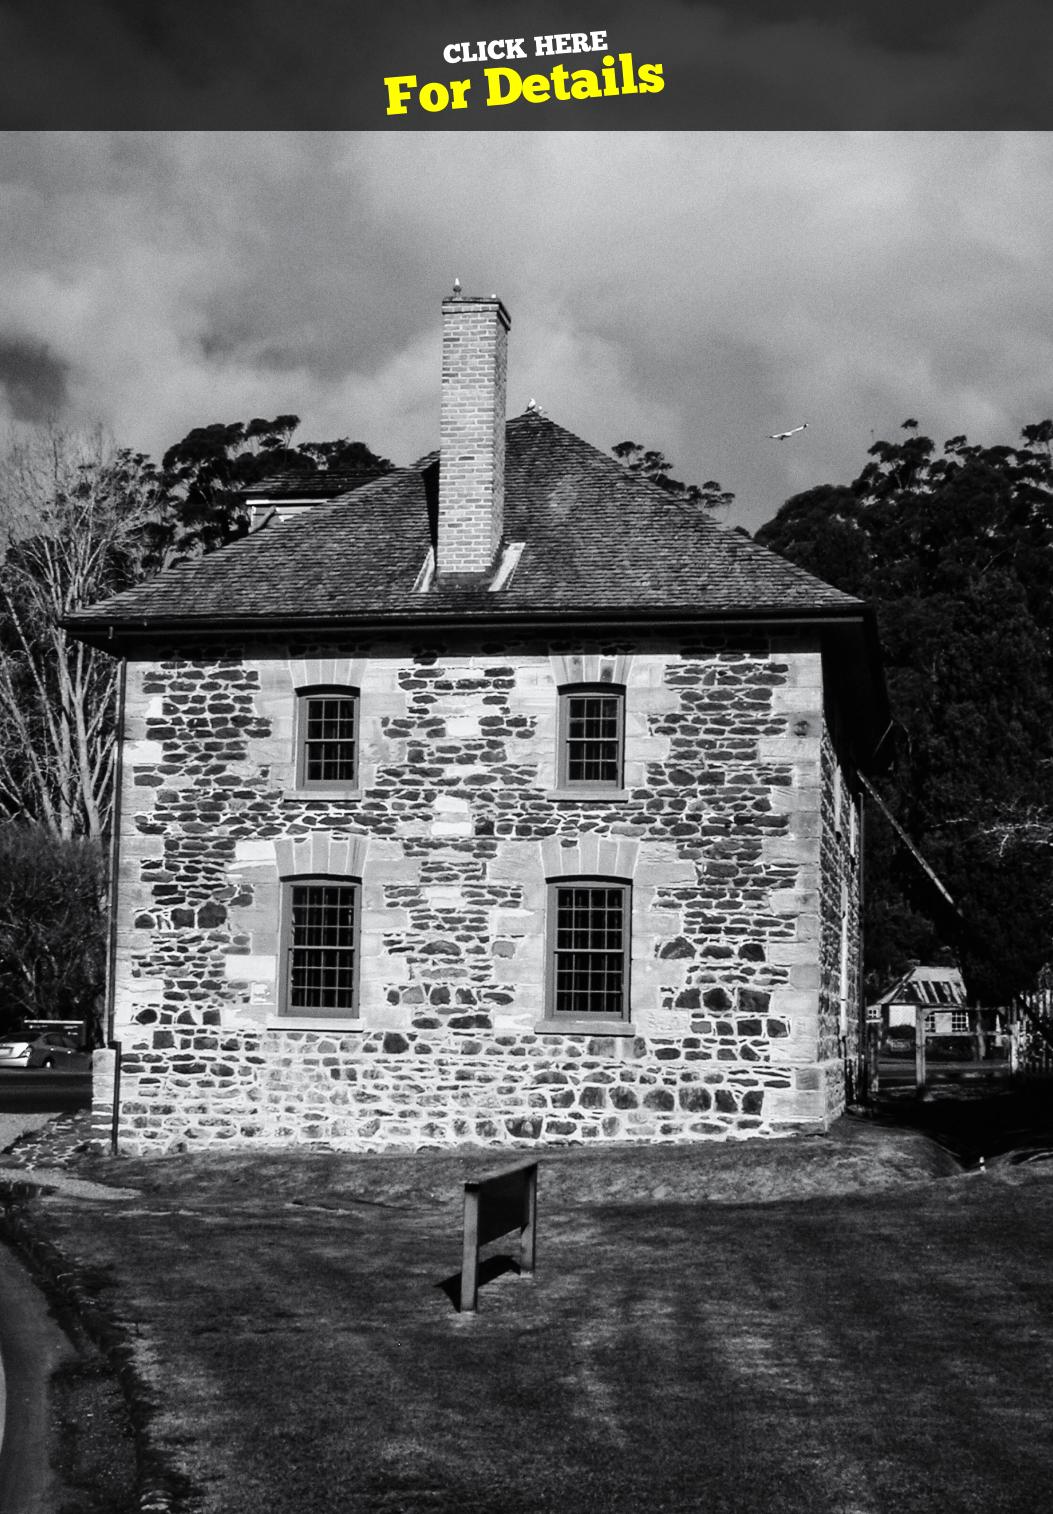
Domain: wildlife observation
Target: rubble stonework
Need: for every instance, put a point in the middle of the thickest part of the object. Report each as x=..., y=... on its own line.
x=727, y=830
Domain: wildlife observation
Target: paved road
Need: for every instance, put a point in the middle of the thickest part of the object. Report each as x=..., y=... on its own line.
x=37, y=1091
x=29, y=1099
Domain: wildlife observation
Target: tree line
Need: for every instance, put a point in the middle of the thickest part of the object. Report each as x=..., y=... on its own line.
x=954, y=548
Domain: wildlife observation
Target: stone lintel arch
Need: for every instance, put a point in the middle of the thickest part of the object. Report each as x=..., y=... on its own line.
x=591, y=667
x=321, y=854
x=327, y=672
x=589, y=855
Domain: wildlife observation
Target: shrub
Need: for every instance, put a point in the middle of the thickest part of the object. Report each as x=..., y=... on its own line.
x=52, y=926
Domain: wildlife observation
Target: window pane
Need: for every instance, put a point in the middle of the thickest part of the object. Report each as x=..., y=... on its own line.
x=329, y=739
x=322, y=949
x=593, y=738
x=590, y=950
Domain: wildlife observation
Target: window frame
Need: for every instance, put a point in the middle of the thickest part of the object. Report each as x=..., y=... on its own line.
x=578, y=1017
x=564, y=781
x=287, y=960
x=304, y=696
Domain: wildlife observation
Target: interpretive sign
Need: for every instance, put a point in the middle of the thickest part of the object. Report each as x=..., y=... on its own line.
x=493, y=1207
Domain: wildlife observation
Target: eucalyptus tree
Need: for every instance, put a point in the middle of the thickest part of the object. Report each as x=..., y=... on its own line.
x=954, y=547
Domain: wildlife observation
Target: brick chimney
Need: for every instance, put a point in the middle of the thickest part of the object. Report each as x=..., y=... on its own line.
x=472, y=432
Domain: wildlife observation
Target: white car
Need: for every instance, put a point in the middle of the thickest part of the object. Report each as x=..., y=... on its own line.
x=50, y=1049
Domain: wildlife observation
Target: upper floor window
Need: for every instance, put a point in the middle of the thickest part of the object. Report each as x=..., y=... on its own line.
x=320, y=946
x=327, y=739
x=591, y=739
x=589, y=949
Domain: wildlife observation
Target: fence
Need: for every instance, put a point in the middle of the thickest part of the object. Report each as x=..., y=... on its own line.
x=940, y=1043
x=1032, y=1028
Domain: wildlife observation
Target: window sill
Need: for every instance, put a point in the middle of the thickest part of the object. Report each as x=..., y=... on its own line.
x=323, y=794
x=588, y=794
x=341, y=1023
x=582, y=1027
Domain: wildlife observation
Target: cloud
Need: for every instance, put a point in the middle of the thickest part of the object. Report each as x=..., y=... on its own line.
x=33, y=380
x=690, y=291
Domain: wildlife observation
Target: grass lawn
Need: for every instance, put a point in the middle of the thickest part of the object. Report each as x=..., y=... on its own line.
x=878, y=1352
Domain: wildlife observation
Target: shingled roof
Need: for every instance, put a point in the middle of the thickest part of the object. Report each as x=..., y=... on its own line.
x=598, y=544
x=318, y=483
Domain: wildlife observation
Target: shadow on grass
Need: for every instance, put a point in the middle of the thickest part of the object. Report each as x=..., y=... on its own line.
x=490, y=1268
x=974, y=1118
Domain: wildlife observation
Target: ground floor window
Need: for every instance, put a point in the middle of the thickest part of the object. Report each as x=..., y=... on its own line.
x=589, y=952
x=320, y=938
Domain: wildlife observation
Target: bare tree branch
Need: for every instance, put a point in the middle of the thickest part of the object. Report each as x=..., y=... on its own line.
x=93, y=507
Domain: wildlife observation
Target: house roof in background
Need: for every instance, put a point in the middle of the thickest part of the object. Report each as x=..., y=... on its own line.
x=931, y=987
x=322, y=483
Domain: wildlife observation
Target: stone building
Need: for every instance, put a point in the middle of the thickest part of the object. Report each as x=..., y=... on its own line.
x=505, y=798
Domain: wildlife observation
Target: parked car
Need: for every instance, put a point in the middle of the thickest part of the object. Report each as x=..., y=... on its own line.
x=49, y=1049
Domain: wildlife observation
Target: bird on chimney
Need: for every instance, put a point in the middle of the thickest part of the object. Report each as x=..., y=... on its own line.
x=780, y=436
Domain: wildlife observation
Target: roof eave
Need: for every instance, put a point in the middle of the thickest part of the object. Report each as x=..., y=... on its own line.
x=114, y=633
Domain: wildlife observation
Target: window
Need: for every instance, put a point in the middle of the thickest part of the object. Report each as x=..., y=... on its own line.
x=320, y=947
x=592, y=722
x=327, y=739
x=589, y=954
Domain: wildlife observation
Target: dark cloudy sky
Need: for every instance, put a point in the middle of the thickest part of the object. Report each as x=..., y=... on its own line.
x=729, y=63
x=692, y=291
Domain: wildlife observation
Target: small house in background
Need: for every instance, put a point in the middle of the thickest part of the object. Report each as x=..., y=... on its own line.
x=951, y=1025
x=501, y=799
x=940, y=991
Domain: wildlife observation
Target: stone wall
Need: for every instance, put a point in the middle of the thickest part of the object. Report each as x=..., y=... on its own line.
x=455, y=829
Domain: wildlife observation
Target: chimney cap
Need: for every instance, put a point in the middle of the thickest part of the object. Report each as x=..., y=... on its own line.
x=458, y=300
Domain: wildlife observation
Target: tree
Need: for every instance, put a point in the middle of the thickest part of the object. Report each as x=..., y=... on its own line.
x=205, y=473
x=96, y=508
x=955, y=550
x=103, y=519
x=654, y=467
x=52, y=925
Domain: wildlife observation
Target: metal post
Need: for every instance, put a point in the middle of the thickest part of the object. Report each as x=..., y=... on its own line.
x=873, y=1048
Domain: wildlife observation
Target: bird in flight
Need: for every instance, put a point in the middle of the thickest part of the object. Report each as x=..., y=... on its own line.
x=780, y=436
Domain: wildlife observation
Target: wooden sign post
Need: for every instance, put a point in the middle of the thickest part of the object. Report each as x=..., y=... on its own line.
x=493, y=1207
